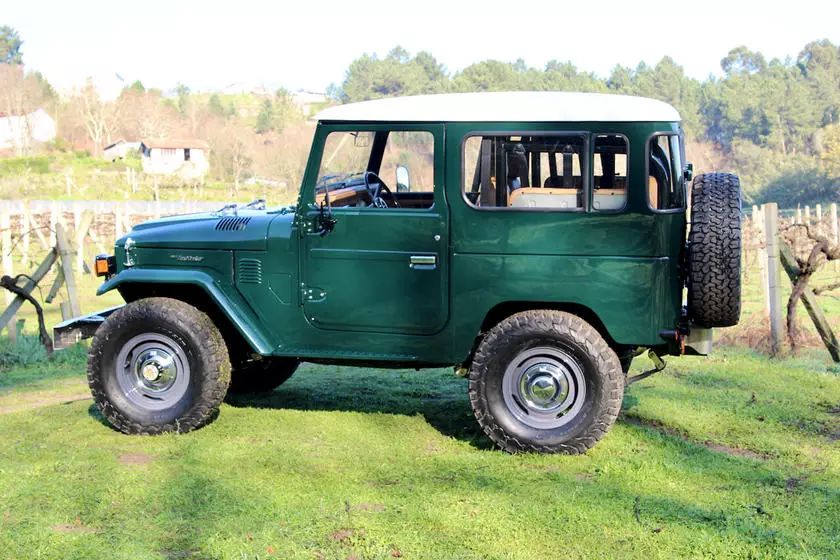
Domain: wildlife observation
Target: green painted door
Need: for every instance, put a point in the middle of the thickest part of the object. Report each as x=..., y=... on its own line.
x=381, y=269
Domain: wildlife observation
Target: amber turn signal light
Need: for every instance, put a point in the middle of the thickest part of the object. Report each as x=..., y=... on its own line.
x=103, y=265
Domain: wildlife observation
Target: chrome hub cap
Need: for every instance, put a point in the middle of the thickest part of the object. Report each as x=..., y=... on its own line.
x=544, y=387
x=152, y=371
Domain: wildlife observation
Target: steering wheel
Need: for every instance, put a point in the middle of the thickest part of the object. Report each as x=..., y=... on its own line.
x=376, y=199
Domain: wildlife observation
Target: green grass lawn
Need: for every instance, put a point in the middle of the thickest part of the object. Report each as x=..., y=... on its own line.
x=733, y=456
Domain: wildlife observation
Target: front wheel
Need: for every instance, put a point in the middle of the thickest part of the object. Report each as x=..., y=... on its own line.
x=545, y=381
x=158, y=365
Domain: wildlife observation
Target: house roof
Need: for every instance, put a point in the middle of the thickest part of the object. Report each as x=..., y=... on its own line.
x=508, y=106
x=176, y=143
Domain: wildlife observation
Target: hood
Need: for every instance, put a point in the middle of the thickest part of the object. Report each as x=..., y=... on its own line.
x=244, y=229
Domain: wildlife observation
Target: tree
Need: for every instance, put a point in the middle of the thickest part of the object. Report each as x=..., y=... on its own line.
x=831, y=150
x=99, y=117
x=10, y=44
x=214, y=104
x=183, y=93
x=265, y=119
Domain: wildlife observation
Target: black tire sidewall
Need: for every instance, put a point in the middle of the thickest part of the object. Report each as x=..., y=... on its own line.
x=508, y=422
x=114, y=392
x=601, y=372
x=202, y=346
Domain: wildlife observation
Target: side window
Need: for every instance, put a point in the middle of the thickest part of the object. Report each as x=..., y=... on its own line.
x=377, y=169
x=523, y=172
x=610, y=173
x=415, y=152
x=665, y=184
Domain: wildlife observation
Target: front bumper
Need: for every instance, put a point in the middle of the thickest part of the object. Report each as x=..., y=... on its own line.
x=69, y=332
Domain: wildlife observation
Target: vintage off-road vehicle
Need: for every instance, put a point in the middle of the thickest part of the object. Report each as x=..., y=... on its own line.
x=536, y=241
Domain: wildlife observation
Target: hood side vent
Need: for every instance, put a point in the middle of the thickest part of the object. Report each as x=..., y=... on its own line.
x=233, y=223
x=250, y=271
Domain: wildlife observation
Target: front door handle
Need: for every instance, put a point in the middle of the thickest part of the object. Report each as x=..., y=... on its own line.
x=423, y=262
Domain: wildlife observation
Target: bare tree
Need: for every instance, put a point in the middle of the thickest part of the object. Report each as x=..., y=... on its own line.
x=99, y=117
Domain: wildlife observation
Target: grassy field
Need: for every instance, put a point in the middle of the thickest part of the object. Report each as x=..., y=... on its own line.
x=734, y=456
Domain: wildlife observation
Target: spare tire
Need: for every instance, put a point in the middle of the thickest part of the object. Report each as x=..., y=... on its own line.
x=714, y=251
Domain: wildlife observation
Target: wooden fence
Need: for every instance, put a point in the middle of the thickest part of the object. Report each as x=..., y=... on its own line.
x=766, y=232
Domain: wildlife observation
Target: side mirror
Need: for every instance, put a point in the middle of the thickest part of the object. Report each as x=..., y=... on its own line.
x=403, y=179
x=689, y=172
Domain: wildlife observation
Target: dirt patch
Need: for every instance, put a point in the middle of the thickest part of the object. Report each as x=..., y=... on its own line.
x=76, y=527
x=342, y=535
x=710, y=445
x=135, y=458
x=29, y=401
x=370, y=507
x=734, y=451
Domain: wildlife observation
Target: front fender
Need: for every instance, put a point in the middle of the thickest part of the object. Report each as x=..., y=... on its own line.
x=228, y=300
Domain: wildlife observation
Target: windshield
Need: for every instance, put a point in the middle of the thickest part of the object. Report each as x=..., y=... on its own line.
x=345, y=159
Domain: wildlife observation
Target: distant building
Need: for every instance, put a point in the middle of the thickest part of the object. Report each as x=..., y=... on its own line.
x=21, y=132
x=119, y=149
x=307, y=101
x=186, y=158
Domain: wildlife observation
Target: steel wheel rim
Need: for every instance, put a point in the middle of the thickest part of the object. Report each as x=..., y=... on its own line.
x=544, y=388
x=152, y=371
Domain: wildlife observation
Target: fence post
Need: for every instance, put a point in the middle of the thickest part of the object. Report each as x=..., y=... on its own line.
x=53, y=221
x=834, y=231
x=118, y=225
x=65, y=253
x=819, y=219
x=6, y=227
x=774, y=279
x=807, y=215
x=762, y=255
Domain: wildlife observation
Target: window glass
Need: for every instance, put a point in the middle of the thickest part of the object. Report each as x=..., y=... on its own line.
x=346, y=155
x=610, y=173
x=415, y=151
x=665, y=185
x=377, y=170
x=522, y=172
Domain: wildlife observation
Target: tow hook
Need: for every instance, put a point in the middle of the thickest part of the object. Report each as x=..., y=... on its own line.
x=658, y=365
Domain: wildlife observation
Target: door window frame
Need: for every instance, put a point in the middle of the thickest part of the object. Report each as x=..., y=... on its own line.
x=437, y=130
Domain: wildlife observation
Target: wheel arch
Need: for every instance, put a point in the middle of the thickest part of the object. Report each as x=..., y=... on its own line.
x=231, y=315
x=505, y=309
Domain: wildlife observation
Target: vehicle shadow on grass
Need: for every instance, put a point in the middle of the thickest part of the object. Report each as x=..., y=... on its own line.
x=437, y=394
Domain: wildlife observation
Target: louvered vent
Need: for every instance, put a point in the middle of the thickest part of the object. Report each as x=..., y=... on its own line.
x=233, y=223
x=250, y=271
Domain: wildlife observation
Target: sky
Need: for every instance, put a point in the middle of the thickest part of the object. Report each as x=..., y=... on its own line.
x=209, y=44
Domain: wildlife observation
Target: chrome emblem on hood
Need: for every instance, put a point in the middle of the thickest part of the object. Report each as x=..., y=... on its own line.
x=187, y=258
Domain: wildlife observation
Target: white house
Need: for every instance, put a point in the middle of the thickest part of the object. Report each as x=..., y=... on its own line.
x=186, y=158
x=119, y=149
x=307, y=101
x=21, y=132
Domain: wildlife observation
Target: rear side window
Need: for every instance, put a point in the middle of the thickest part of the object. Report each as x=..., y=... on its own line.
x=665, y=182
x=610, y=173
x=546, y=172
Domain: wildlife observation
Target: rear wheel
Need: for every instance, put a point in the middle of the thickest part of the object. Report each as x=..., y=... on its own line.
x=545, y=381
x=158, y=365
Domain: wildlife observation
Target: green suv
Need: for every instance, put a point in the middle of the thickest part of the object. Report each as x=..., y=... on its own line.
x=535, y=241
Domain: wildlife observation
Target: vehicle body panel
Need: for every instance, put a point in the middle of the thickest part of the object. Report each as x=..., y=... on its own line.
x=354, y=293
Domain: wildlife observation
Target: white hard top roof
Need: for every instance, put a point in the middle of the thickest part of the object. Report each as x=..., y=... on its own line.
x=506, y=106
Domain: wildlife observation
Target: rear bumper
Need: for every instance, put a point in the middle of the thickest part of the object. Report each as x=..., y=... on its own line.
x=69, y=332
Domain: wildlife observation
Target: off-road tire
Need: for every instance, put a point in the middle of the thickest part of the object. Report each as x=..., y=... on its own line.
x=506, y=343
x=714, y=251
x=200, y=345
x=260, y=374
